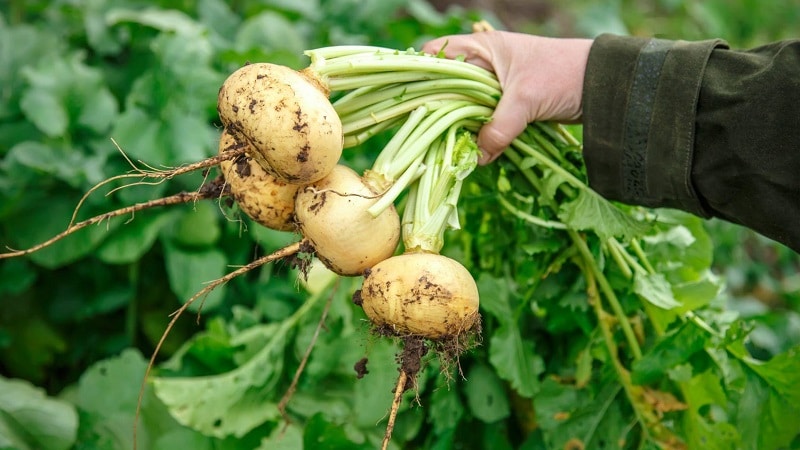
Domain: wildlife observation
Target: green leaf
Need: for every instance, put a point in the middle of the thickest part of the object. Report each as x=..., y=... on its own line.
x=189, y=271
x=655, y=288
x=515, y=360
x=29, y=419
x=494, y=295
x=99, y=110
x=107, y=395
x=46, y=111
x=270, y=31
x=321, y=434
x=769, y=397
x=373, y=393
x=570, y=417
x=288, y=437
x=198, y=227
x=139, y=136
x=16, y=276
x=674, y=348
x=132, y=239
x=231, y=403
x=705, y=427
x=446, y=409
x=38, y=223
x=486, y=397
x=170, y=20
x=590, y=211
x=120, y=375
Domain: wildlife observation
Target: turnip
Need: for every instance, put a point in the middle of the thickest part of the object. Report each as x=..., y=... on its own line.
x=264, y=198
x=422, y=294
x=333, y=215
x=286, y=116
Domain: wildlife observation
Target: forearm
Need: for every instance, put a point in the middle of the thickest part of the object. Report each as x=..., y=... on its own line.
x=671, y=124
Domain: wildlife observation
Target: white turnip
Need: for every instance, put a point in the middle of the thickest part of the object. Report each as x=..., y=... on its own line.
x=422, y=294
x=332, y=214
x=286, y=115
x=264, y=198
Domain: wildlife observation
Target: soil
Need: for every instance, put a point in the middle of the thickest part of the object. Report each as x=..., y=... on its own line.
x=410, y=359
x=361, y=368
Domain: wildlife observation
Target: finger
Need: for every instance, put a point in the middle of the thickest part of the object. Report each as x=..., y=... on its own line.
x=470, y=46
x=508, y=121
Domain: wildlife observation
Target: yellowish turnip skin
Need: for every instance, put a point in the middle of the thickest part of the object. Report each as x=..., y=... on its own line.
x=332, y=215
x=287, y=117
x=264, y=198
x=422, y=294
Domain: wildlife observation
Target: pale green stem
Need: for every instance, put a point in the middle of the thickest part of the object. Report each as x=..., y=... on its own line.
x=529, y=217
x=608, y=291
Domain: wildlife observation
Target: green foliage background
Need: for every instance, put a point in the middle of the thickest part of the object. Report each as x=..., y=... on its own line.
x=79, y=319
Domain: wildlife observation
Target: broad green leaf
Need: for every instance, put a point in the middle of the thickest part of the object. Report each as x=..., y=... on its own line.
x=183, y=438
x=234, y=402
x=37, y=224
x=446, y=408
x=30, y=420
x=769, y=397
x=53, y=161
x=515, y=360
x=485, y=394
x=270, y=31
x=289, y=437
x=132, y=239
x=171, y=20
x=320, y=434
x=217, y=15
x=120, y=375
x=46, y=110
x=21, y=46
x=197, y=227
x=16, y=275
x=591, y=212
x=373, y=393
x=704, y=427
x=494, y=297
x=654, y=288
x=192, y=138
x=674, y=348
x=139, y=136
x=99, y=110
x=189, y=271
x=107, y=394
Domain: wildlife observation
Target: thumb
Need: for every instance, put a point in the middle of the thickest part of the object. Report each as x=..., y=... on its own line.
x=508, y=121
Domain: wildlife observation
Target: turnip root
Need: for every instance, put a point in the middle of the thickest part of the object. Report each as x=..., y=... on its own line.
x=423, y=294
x=264, y=198
x=332, y=215
x=286, y=115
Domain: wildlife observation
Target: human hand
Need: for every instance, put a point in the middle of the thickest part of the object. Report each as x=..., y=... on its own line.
x=541, y=78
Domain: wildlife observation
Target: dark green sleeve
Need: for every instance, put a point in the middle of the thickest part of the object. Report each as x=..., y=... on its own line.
x=699, y=127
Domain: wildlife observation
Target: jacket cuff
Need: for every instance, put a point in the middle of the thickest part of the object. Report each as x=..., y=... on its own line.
x=639, y=107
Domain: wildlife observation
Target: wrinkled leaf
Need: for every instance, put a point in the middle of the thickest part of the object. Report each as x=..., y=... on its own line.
x=655, y=289
x=234, y=402
x=674, y=348
x=589, y=211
